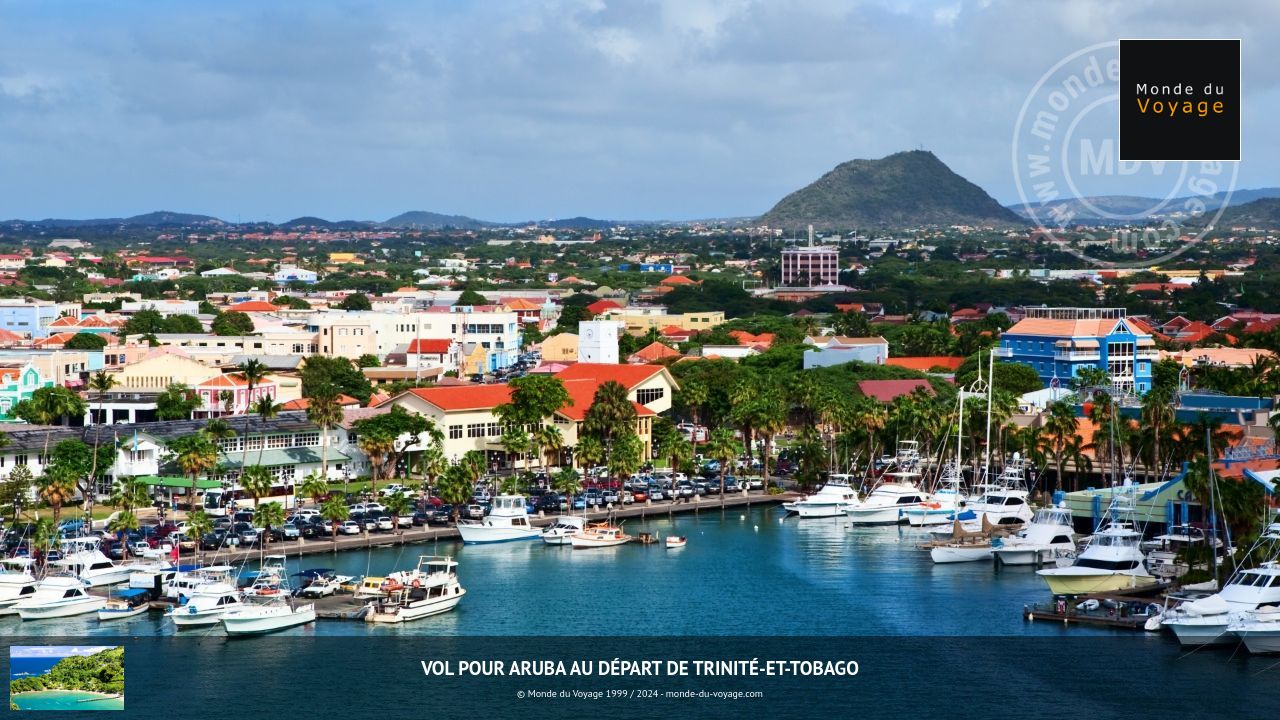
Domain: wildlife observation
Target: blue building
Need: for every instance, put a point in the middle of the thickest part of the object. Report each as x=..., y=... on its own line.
x=1058, y=342
x=29, y=318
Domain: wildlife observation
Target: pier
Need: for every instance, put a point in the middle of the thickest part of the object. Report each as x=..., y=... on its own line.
x=411, y=536
x=1129, y=612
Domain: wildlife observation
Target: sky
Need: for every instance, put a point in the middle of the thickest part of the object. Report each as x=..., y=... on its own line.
x=514, y=110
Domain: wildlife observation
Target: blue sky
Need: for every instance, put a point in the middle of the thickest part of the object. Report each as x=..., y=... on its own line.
x=59, y=651
x=513, y=110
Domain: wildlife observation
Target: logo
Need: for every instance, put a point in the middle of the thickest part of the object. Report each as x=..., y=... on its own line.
x=1087, y=201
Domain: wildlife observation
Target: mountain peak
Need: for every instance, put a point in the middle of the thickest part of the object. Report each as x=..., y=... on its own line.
x=905, y=189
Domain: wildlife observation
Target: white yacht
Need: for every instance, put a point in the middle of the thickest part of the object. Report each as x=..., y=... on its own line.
x=886, y=504
x=564, y=528
x=941, y=508
x=17, y=581
x=431, y=588
x=58, y=596
x=83, y=558
x=206, y=605
x=258, y=616
x=1004, y=501
x=184, y=583
x=1258, y=629
x=831, y=500
x=507, y=520
x=1112, y=561
x=1209, y=620
x=1049, y=537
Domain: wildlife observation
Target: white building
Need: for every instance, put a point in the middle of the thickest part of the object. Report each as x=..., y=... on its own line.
x=598, y=341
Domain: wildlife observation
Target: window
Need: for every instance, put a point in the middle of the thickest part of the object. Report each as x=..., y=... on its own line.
x=306, y=439
x=475, y=430
x=495, y=430
x=20, y=459
x=253, y=443
x=455, y=432
x=648, y=395
x=278, y=441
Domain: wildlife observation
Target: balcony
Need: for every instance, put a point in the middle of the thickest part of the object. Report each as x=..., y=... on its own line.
x=1077, y=355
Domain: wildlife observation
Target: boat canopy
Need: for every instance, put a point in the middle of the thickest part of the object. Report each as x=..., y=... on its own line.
x=130, y=593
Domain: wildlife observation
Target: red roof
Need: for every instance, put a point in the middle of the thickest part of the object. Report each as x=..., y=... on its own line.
x=430, y=347
x=886, y=390
x=483, y=397
x=304, y=403
x=745, y=338
x=600, y=306
x=655, y=351
x=677, y=280
x=255, y=306
x=676, y=331
x=628, y=375
x=925, y=363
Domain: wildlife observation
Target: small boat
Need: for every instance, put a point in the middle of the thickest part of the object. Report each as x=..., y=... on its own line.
x=127, y=603
x=58, y=596
x=370, y=586
x=83, y=558
x=269, y=580
x=431, y=588
x=17, y=581
x=648, y=538
x=598, y=535
x=1050, y=536
x=259, y=616
x=508, y=520
x=206, y=605
x=965, y=545
x=829, y=501
x=185, y=582
x=564, y=527
x=675, y=541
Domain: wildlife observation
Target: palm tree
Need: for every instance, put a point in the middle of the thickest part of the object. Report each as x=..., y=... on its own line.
x=589, y=451
x=129, y=492
x=267, y=516
x=516, y=442
x=254, y=371
x=771, y=418
x=375, y=446
x=228, y=400
x=723, y=448
x=568, y=483
x=197, y=454
x=266, y=408
x=550, y=441
x=455, y=488
x=397, y=505
x=57, y=485
x=199, y=524
x=124, y=521
x=1058, y=430
x=323, y=410
x=313, y=486
x=101, y=383
x=43, y=536
x=47, y=406
x=1157, y=417
x=258, y=482
x=432, y=463
x=335, y=510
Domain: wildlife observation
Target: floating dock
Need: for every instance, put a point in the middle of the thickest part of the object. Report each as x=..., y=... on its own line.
x=1129, y=612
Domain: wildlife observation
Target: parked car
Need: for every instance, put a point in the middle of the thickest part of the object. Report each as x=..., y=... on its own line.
x=349, y=527
x=685, y=489
x=610, y=496
x=752, y=483
x=627, y=497
x=593, y=497
x=549, y=502
x=287, y=531
x=383, y=523
x=390, y=490
x=474, y=512
x=418, y=519
x=440, y=515
x=249, y=536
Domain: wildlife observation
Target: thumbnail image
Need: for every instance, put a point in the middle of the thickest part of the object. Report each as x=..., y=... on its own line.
x=66, y=677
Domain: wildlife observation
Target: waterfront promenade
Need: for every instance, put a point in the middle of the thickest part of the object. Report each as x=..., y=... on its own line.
x=408, y=536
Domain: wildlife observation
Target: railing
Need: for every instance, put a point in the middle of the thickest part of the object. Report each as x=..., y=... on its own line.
x=1077, y=355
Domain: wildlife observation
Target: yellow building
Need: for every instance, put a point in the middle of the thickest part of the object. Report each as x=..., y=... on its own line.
x=475, y=359
x=637, y=319
x=560, y=348
x=345, y=258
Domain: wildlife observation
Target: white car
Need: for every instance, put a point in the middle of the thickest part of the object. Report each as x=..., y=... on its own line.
x=406, y=521
x=384, y=523
x=306, y=512
x=350, y=527
x=390, y=490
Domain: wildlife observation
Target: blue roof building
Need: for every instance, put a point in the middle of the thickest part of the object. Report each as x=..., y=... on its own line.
x=1058, y=342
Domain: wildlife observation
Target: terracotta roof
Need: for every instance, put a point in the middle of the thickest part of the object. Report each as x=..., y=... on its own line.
x=65, y=321
x=886, y=390
x=521, y=304
x=1064, y=328
x=255, y=306
x=231, y=380
x=600, y=306
x=429, y=347
x=676, y=331
x=677, y=280
x=745, y=338
x=628, y=375
x=483, y=397
x=56, y=339
x=9, y=336
x=304, y=403
x=925, y=363
x=655, y=351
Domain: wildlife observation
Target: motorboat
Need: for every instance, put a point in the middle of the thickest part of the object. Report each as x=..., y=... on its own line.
x=1166, y=553
x=58, y=596
x=829, y=501
x=675, y=542
x=1208, y=620
x=371, y=586
x=126, y=603
x=886, y=504
x=320, y=582
x=948, y=497
x=508, y=520
x=17, y=582
x=187, y=580
x=432, y=588
x=1049, y=537
x=1258, y=629
x=560, y=531
x=269, y=580
x=966, y=545
x=258, y=616
x=82, y=557
x=1005, y=500
x=599, y=535
x=155, y=576
x=206, y=605
x=1112, y=561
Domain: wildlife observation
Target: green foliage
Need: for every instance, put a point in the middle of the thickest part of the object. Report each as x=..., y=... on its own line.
x=334, y=374
x=1011, y=377
x=368, y=361
x=102, y=672
x=85, y=341
x=232, y=323
x=177, y=402
x=355, y=301
x=471, y=297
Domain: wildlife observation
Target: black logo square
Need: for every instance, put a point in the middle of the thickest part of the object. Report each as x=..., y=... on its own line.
x=1179, y=100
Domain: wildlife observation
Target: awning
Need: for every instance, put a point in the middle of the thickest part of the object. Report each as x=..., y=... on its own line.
x=179, y=482
x=1092, y=344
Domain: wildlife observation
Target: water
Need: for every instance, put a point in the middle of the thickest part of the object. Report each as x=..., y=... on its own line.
x=24, y=666
x=748, y=573
x=66, y=700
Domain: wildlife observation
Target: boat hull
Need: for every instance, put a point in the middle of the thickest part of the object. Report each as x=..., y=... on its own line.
x=244, y=623
x=819, y=510
x=114, y=577
x=1024, y=555
x=956, y=554
x=61, y=610
x=558, y=538
x=483, y=534
x=1261, y=638
x=931, y=516
x=1196, y=632
x=581, y=543
x=1076, y=583
x=203, y=618
x=890, y=515
x=107, y=613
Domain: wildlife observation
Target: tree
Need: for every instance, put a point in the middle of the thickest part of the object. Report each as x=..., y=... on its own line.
x=376, y=445
x=547, y=441
x=567, y=482
x=267, y=409
x=456, y=487
x=184, y=324
x=196, y=455
x=15, y=488
x=177, y=402
x=56, y=485
x=387, y=437
x=1091, y=377
x=80, y=462
x=335, y=510
x=257, y=482
x=355, y=301
x=199, y=524
x=625, y=456
x=101, y=383
x=368, y=361
x=1058, y=430
x=146, y=321
x=589, y=452
x=254, y=371
x=125, y=521
x=515, y=441
x=397, y=505
x=470, y=297
x=313, y=486
x=48, y=406
x=267, y=516
x=129, y=492
x=322, y=374
x=232, y=323
x=85, y=341
x=723, y=448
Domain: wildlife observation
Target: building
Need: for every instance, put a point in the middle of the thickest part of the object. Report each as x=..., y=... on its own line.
x=1058, y=342
x=837, y=350
x=229, y=394
x=166, y=307
x=811, y=265
x=560, y=348
x=445, y=354
x=597, y=342
x=32, y=318
x=639, y=319
x=16, y=385
x=286, y=275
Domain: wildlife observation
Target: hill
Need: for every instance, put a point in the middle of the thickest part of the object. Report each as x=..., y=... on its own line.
x=1085, y=210
x=435, y=221
x=1259, y=213
x=578, y=223
x=906, y=189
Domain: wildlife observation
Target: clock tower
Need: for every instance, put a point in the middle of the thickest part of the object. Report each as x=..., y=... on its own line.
x=598, y=341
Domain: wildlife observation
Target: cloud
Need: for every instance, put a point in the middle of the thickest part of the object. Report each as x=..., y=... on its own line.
x=537, y=108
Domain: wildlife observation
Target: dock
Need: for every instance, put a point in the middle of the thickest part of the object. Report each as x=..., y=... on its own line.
x=413, y=536
x=1129, y=612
